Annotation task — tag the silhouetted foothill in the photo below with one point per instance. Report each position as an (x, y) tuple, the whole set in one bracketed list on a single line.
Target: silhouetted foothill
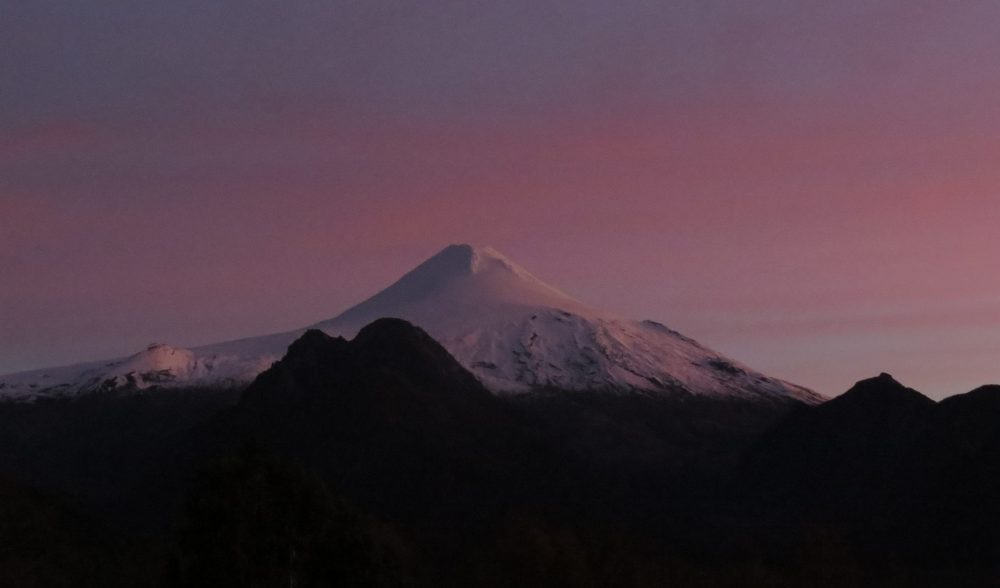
[(881, 390), (901, 475), (313, 345), (399, 359), (396, 344), (844, 455), (394, 421)]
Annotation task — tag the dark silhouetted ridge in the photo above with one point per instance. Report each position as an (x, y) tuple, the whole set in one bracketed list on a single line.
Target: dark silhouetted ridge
[(882, 390), (392, 420), (395, 343), (839, 458), (314, 342), (981, 397), (897, 471)]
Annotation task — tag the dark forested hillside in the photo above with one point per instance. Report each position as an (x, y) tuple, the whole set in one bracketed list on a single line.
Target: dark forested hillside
[(381, 461)]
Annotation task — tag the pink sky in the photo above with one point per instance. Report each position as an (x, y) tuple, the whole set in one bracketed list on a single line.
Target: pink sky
[(811, 189)]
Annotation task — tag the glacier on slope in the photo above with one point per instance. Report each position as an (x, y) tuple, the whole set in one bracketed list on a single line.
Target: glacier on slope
[(513, 331)]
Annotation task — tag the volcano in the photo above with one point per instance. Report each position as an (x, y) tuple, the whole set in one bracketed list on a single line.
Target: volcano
[(513, 331)]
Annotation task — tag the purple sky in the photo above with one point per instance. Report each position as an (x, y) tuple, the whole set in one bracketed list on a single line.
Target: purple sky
[(810, 187)]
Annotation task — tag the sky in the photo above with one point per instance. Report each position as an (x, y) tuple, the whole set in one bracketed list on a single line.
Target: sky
[(810, 187)]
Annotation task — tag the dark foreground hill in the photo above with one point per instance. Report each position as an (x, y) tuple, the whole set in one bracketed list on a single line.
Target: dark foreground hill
[(382, 461), (392, 405), (898, 478), (398, 423)]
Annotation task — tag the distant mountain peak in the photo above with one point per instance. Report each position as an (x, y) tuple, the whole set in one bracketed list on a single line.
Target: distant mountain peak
[(465, 258), (462, 261), (517, 333), (460, 280), (487, 258), (513, 331)]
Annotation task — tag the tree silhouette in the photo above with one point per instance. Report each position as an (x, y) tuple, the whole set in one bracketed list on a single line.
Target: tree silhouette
[(254, 521)]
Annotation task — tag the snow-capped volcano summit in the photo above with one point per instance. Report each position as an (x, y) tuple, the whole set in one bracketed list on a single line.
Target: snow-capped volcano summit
[(513, 331), (517, 333), (460, 284)]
